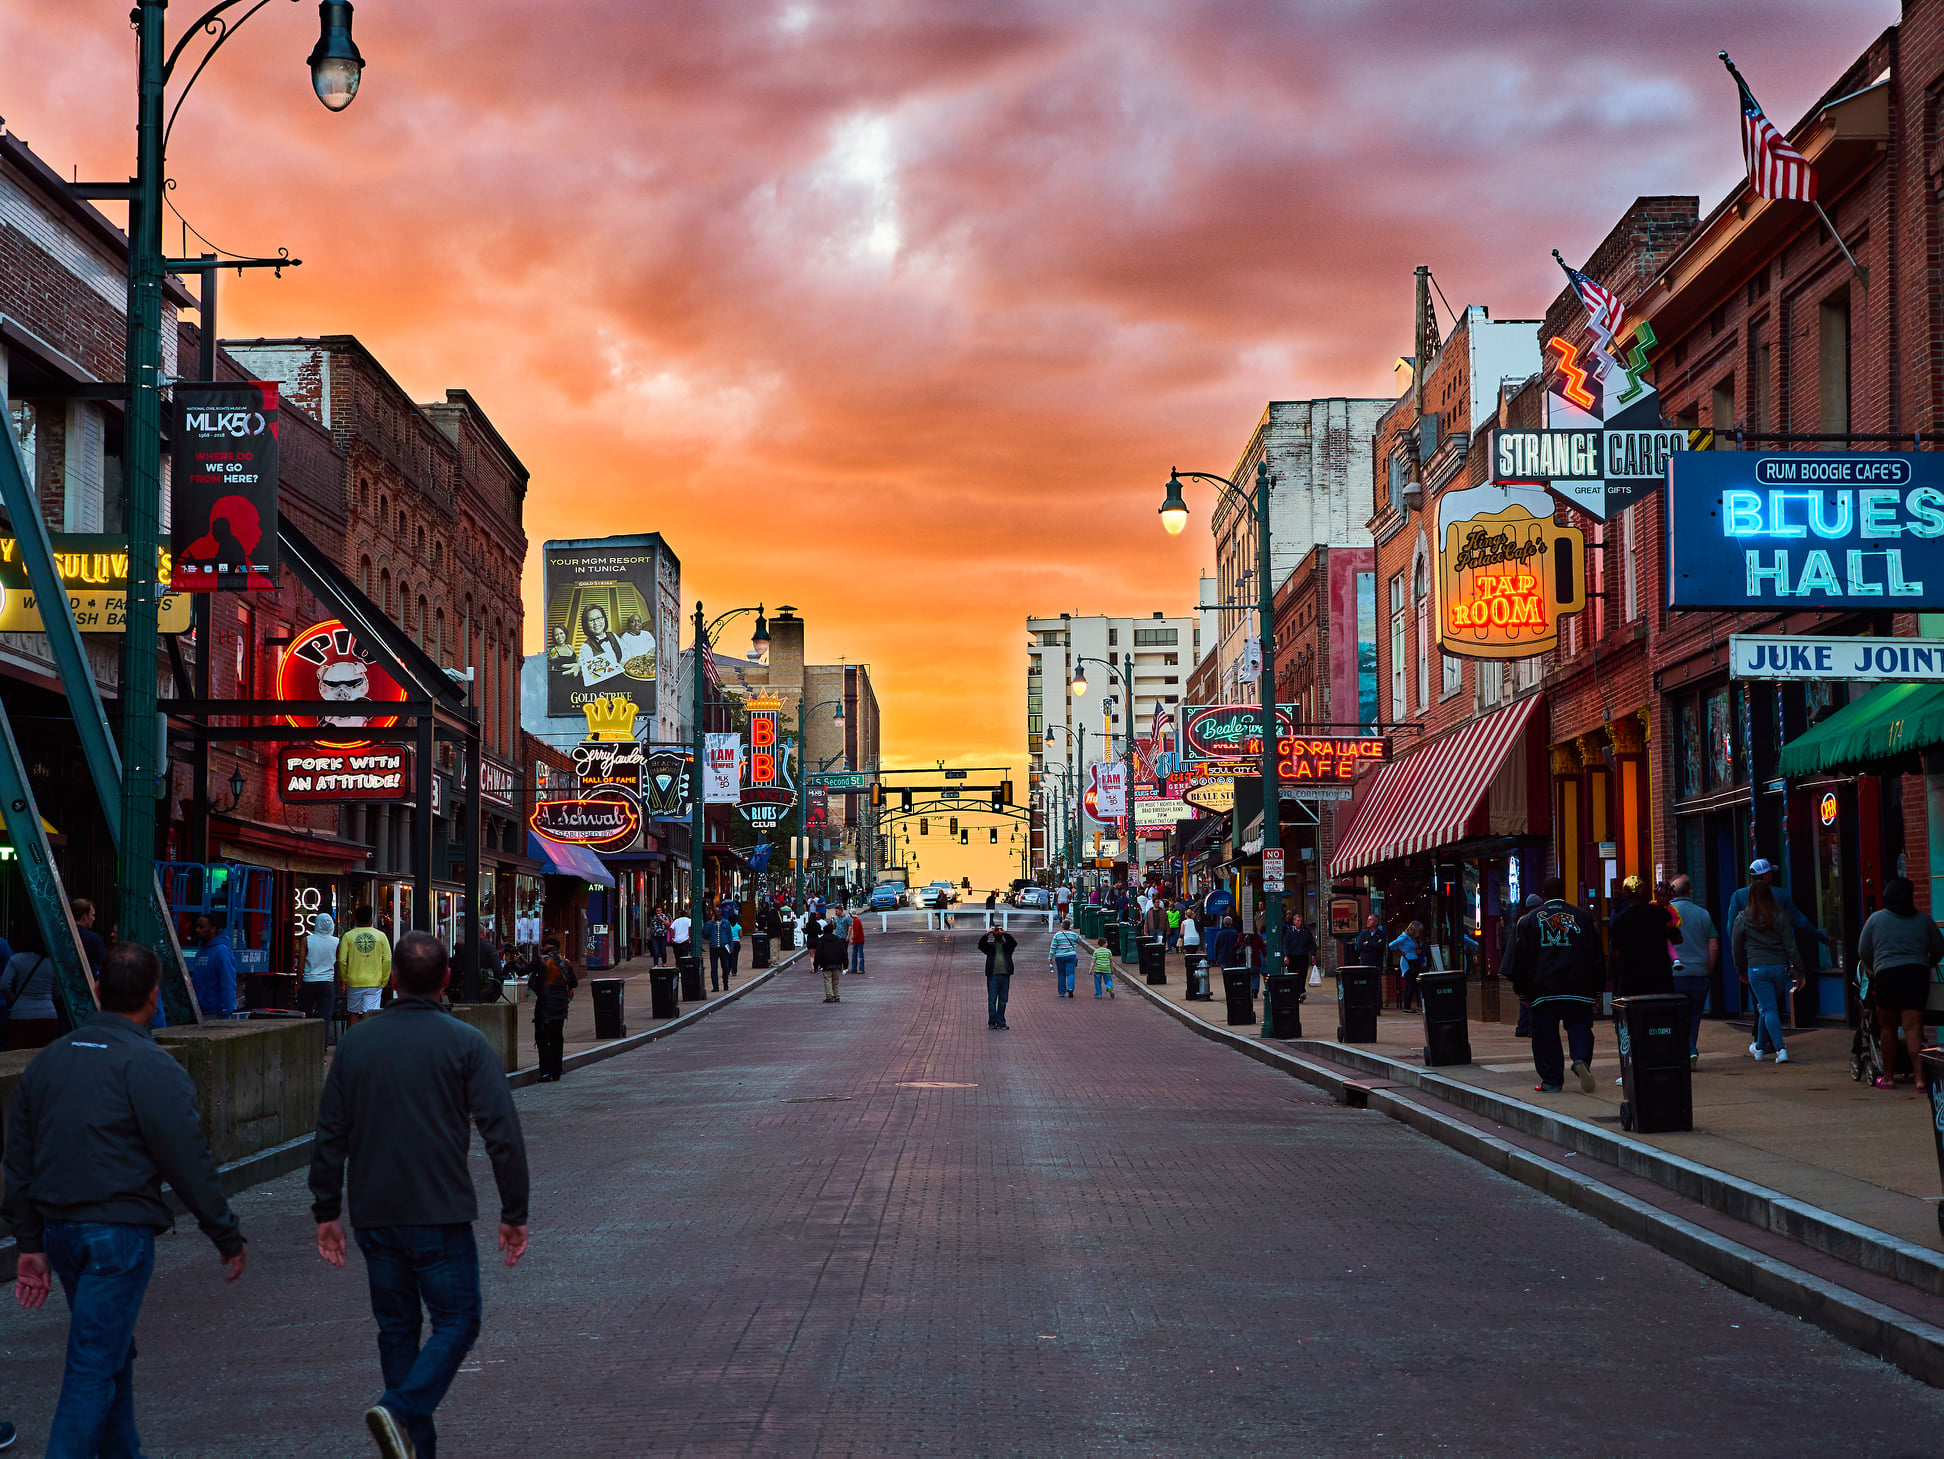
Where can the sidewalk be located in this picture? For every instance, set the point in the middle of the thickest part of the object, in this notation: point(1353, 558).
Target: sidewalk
point(1802, 1128)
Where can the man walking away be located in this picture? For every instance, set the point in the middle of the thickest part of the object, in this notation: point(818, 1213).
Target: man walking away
point(552, 984)
point(364, 966)
point(1555, 966)
point(831, 953)
point(857, 942)
point(91, 943)
point(1064, 955)
point(101, 1118)
point(318, 996)
point(212, 967)
point(1698, 953)
point(997, 945)
point(399, 1102)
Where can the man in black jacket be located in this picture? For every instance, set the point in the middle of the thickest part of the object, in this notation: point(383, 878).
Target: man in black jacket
point(403, 1092)
point(101, 1118)
point(1555, 965)
point(998, 945)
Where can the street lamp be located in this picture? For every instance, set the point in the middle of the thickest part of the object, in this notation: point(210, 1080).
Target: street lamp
point(335, 65)
point(1127, 754)
point(698, 828)
point(1174, 516)
point(803, 828)
point(1072, 790)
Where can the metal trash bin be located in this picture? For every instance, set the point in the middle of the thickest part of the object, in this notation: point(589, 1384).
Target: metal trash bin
point(1360, 993)
point(759, 950)
point(1933, 1074)
point(608, 1008)
point(1447, 1035)
point(1154, 962)
point(786, 934)
point(1284, 992)
point(664, 994)
point(690, 965)
point(1194, 972)
point(1657, 1089)
point(1235, 987)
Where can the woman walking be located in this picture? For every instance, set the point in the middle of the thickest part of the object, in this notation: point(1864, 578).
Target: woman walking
point(1064, 955)
point(1765, 947)
point(1409, 947)
point(658, 934)
point(552, 985)
point(1898, 949)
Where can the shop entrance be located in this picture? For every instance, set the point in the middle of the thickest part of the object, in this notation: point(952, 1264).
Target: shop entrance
point(1714, 853)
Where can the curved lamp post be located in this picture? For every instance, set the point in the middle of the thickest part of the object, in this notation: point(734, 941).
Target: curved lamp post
point(335, 69)
point(704, 631)
point(1079, 688)
point(1070, 775)
point(1174, 516)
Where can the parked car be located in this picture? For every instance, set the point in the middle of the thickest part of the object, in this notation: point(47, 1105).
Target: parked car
point(1035, 899)
point(885, 898)
point(947, 893)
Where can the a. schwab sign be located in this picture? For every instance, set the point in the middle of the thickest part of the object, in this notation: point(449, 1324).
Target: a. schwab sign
point(1751, 529)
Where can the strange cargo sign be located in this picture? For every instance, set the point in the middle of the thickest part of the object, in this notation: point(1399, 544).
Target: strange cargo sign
point(1787, 531)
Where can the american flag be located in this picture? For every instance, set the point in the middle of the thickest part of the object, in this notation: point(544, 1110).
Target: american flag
point(1603, 307)
point(1775, 169)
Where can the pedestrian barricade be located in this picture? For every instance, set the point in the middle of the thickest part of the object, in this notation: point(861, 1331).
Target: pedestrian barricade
point(664, 993)
point(608, 1008)
point(1154, 962)
point(1447, 1037)
point(690, 966)
point(1657, 1089)
point(1284, 993)
point(1235, 987)
point(1194, 971)
point(759, 950)
point(1359, 993)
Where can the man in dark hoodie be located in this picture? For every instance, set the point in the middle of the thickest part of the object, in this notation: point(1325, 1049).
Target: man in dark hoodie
point(1555, 966)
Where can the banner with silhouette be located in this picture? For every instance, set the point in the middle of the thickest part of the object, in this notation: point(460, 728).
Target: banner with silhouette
point(223, 489)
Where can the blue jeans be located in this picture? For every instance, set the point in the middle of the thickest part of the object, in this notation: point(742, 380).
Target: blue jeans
point(1771, 989)
point(658, 949)
point(1106, 977)
point(407, 1265)
point(857, 957)
point(1695, 989)
point(1546, 1019)
point(1063, 970)
point(104, 1270)
point(998, 990)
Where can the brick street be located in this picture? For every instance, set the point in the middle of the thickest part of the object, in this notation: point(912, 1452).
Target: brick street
point(1097, 1233)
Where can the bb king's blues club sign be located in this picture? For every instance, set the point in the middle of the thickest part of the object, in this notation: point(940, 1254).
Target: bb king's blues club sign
point(1750, 529)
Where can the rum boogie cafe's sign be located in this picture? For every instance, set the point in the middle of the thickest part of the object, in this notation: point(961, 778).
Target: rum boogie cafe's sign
point(1750, 529)
point(1793, 656)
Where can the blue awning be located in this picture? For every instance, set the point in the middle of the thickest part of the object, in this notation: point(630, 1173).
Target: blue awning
point(564, 860)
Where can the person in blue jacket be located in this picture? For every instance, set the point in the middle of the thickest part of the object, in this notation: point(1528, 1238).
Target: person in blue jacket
point(213, 966)
point(1409, 947)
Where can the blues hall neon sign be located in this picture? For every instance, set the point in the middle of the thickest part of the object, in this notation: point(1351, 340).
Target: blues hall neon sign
point(1747, 530)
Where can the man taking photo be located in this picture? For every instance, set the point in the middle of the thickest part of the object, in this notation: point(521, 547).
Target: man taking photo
point(399, 1103)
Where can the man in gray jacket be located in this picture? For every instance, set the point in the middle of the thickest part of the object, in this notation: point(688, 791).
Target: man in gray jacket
point(399, 1103)
point(101, 1118)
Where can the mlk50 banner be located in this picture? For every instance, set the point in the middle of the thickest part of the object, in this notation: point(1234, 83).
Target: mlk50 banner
point(721, 776)
point(223, 489)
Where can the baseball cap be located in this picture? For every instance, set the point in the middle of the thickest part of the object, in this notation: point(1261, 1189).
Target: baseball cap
point(1760, 866)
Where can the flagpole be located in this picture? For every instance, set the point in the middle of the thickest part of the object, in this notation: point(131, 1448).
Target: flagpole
point(1861, 273)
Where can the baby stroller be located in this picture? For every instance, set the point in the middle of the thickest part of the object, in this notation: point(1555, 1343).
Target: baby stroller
point(1866, 1046)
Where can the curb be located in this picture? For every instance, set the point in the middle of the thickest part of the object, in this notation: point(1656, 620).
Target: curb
point(1915, 1346)
point(280, 1160)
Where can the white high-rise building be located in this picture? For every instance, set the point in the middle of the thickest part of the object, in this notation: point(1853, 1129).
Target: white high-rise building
point(1157, 653)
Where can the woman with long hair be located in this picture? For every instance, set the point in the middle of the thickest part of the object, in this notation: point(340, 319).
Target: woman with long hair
point(1765, 948)
point(1898, 949)
point(1409, 947)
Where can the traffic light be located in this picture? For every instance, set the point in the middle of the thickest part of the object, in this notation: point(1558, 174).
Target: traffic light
point(995, 835)
point(877, 794)
point(955, 825)
point(907, 798)
point(965, 837)
point(924, 826)
point(1002, 797)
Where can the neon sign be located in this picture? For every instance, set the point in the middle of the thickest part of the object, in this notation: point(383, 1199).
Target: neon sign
point(1507, 572)
point(327, 661)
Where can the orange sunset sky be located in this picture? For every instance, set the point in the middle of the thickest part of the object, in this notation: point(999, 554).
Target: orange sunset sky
point(900, 313)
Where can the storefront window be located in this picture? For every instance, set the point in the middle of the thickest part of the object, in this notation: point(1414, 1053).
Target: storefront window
point(1722, 762)
point(1691, 747)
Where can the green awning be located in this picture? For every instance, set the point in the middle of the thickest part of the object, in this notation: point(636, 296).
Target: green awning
point(1885, 723)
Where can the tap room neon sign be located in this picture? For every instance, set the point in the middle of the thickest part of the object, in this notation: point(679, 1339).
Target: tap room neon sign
point(1854, 531)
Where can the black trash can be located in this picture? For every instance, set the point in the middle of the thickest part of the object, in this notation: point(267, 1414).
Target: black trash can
point(759, 956)
point(690, 965)
point(1933, 1075)
point(1235, 987)
point(1194, 971)
point(608, 1020)
point(1360, 993)
point(1285, 994)
point(1657, 1090)
point(1447, 1037)
point(1154, 962)
point(786, 934)
point(664, 993)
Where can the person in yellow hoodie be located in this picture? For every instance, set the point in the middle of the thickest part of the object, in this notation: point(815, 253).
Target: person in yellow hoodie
point(363, 966)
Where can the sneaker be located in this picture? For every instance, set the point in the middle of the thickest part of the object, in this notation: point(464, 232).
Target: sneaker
point(1585, 1077)
point(1545, 1088)
point(388, 1433)
point(7, 1435)
point(1694, 1060)
point(1755, 1052)
point(1781, 1056)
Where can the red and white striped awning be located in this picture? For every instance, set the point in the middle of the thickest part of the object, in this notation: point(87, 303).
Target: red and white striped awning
point(1427, 799)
